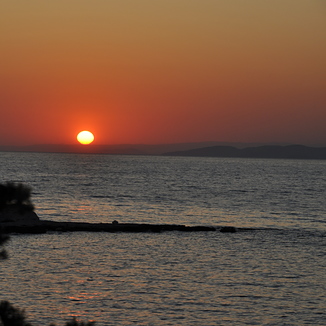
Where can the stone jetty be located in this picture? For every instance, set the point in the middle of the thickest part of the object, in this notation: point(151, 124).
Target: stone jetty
point(14, 220)
point(44, 226)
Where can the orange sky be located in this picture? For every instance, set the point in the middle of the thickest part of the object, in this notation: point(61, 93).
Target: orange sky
point(163, 71)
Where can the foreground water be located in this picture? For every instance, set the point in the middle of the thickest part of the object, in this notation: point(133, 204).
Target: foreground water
point(271, 273)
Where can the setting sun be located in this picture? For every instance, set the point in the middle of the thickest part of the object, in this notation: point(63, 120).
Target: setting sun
point(85, 137)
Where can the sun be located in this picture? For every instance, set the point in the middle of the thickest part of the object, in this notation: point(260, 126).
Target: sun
point(85, 137)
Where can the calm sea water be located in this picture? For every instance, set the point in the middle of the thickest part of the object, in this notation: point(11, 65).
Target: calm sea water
point(272, 272)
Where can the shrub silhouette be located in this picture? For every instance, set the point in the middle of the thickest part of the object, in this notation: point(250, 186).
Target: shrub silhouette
point(3, 239)
point(11, 316)
point(16, 194)
point(19, 195)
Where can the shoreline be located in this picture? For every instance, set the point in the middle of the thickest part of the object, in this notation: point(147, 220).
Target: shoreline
point(48, 226)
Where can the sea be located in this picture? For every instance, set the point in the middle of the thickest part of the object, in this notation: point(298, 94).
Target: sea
point(272, 271)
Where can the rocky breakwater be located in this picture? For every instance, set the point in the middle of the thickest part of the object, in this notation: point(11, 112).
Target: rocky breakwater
point(17, 216)
point(20, 218)
point(43, 226)
point(14, 220)
point(120, 227)
point(34, 225)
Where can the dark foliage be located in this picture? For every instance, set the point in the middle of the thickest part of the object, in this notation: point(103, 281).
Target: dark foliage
point(16, 194)
point(11, 316)
point(19, 195)
point(3, 239)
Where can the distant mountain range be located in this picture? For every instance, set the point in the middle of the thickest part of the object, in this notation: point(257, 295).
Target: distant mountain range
point(268, 151)
point(205, 149)
point(123, 149)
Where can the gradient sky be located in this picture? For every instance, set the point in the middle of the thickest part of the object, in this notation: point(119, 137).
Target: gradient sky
point(163, 71)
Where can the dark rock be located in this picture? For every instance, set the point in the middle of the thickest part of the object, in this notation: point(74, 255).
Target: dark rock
point(18, 215)
point(228, 229)
point(45, 226)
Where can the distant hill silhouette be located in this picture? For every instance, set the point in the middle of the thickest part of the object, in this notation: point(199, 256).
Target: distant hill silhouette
point(120, 149)
point(208, 149)
point(268, 151)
